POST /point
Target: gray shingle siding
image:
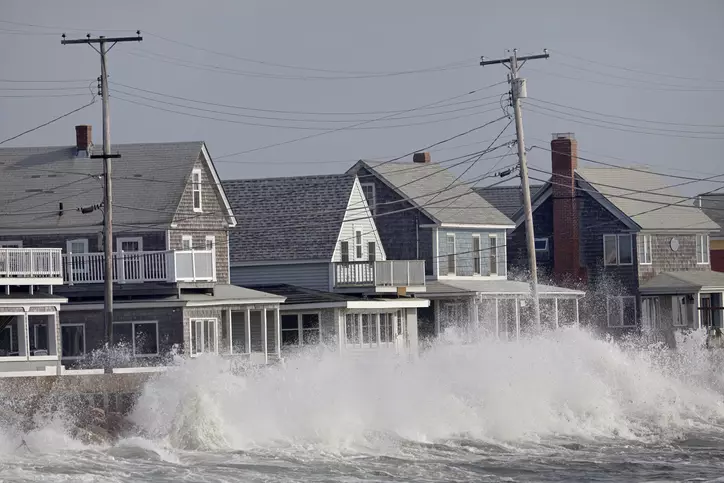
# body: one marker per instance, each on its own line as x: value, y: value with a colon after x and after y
x: 308, y: 275
x: 464, y: 251
x: 516, y: 244
x: 664, y: 259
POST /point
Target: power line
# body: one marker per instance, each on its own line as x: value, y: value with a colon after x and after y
x: 49, y: 122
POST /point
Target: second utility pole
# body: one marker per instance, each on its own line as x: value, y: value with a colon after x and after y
x: 108, y: 191
x: 518, y: 91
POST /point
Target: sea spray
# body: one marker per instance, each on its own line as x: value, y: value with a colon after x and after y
x: 562, y: 384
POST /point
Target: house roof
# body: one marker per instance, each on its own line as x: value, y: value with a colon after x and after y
x: 495, y: 287
x: 684, y: 282
x: 300, y: 295
x: 295, y: 218
x: 713, y: 207
x: 436, y: 192
x: 33, y: 181
x: 304, y: 298
x: 507, y: 199
x: 642, y: 199
x: 226, y: 293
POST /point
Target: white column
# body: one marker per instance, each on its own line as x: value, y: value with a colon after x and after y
x: 228, y: 331
x: 576, y: 311
x: 53, y: 342
x: 278, y: 330
x: 555, y: 303
x: 264, y: 336
x: 497, y: 323
x: 697, y: 313
x: 23, y: 335
x: 437, y: 317
x: 247, y: 331
x: 360, y: 321
x: 341, y: 325
x: 517, y: 319
x: 377, y: 327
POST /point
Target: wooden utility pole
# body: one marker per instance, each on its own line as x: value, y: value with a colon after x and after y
x: 108, y: 191
x: 518, y: 91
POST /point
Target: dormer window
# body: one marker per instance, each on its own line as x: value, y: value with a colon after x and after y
x: 196, y: 188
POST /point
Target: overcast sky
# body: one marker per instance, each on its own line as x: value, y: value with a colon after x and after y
x: 646, y: 60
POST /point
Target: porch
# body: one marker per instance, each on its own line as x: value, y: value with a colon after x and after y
x: 382, y: 276
x: 170, y: 266
x: 31, y: 266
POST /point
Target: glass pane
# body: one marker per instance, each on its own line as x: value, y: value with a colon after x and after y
x: 40, y: 337
x: 614, y: 311
x: 344, y: 248
x: 371, y: 251
x: 290, y: 322
x: 493, y: 255
x: 310, y: 321
x: 6, y: 340
x: 351, y: 328
x: 72, y: 340
x: 310, y: 336
x: 629, y: 311
x: 123, y: 334
x: 210, y: 341
x: 369, y: 330
x: 476, y: 254
x: 541, y: 243
x: 146, y: 342
x: 290, y: 337
x: 625, y: 249
x: 609, y: 249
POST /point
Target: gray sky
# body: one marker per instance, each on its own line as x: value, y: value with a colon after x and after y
x: 669, y: 39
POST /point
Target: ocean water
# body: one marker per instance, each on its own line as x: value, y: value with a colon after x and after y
x: 565, y: 406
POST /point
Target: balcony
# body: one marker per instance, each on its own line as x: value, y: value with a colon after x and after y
x: 31, y: 266
x: 170, y: 266
x: 383, y: 276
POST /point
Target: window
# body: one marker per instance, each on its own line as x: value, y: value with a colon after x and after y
x: 203, y: 336
x: 493, y: 254
x: 541, y: 244
x: 621, y: 311
x: 210, y: 242
x: 140, y: 337
x: 72, y: 338
x: 11, y: 244
x: 196, y: 188
x: 371, y: 251
x: 682, y: 310
x: 645, y: 249
x: 300, y: 329
x: 369, y: 329
x: 451, y: 268
x: 358, y: 244
x: 702, y: 249
x: 352, y: 329
x: 187, y: 242
x: 7, y: 341
x: 344, y: 248
x: 617, y: 250
x: 477, y: 265
x: 79, y: 254
x: 39, y: 338
x: 387, y: 328
x: 650, y: 313
x: 369, y: 191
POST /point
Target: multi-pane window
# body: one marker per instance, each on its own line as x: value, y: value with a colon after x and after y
x: 645, y: 250
x: 140, y: 337
x: 79, y: 254
x: 344, y: 248
x: 702, y: 249
x: 361, y: 329
x: 209, y: 242
x: 451, y: 268
x: 493, y: 254
x: 387, y: 328
x: 187, y: 242
x: 621, y: 311
x: 300, y: 329
x: 371, y: 251
x: 358, y: 244
x: 369, y: 191
x: 477, y: 269
x: 72, y: 338
x: 203, y: 336
x: 196, y: 188
x: 617, y: 250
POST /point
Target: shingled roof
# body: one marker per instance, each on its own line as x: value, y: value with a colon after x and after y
x: 713, y: 207
x: 34, y: 181
x: 436, y: 192
x: 295, y: 218
x: 507, y: 199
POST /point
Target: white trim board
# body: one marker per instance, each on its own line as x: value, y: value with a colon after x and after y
x: 217, y: 181
x: 463, y: 226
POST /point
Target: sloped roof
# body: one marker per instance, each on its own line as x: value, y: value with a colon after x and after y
x: 496, y: 287
x: 435, y: 191
x: 684, y: 282
x: 295, y: 218
x: 299, y: 295
x: 713, y: 207
x: 33, y: 181
x: 507, y: 199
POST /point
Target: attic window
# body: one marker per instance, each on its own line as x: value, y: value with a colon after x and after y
x: 196, y: 188
x: 369, y: 191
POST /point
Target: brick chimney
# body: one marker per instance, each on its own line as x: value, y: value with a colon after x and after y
x: 83, y: 139
x: 421, y: 158
x: 566, y: 234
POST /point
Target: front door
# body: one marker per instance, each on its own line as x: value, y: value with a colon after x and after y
x: 131, y: 259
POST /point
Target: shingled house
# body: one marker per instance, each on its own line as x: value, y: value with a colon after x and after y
x: 313, y: 240
x: 640, y: 248
x: 171, y: 273
x: 423, y: 212
x: 713, y: 206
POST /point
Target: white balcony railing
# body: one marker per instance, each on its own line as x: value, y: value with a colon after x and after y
x: 136, y: 267
x: 386, y: 273
x: 31, y: 265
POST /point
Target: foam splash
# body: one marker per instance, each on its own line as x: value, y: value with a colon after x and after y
x: 563, y: 384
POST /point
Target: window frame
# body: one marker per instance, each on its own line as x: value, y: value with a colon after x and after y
x: 34, y: 337
x: 11, y: 327
x: 344, y: 251
x: 372, y: 251
x: 451, y: 257
x: 134, y: 323
x: 617, y: 237
x: 188, y: 238
x: 300, y: 328
x: 83, y: 352
x: 702, y: 249
x: 358, y: 245
x: 493, y: 253
x: 212, y: 239
x: 204, y: 332
x: 371, y: 203
x: 622, y: 324
x: 536, y: 240
x: 81, y: 267
x: 646, y: 244
x: 477, y: 255
x: 196, y: 188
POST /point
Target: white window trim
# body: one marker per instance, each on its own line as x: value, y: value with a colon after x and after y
x: 543, y: 240
x: 618, y: 262
x: 300, y: 329
x: 361, y: 245
x: 194, y: 188
x: 72, y: 358
x: 83, y: 267
x: 11, y: 244
x: 454, y: 254
x: 373, y: 202
x: 190, y: 240
x: 212, y: 239
x: 646, y: 250
x: 133, y: 335
x: 479, y: 269
x: 192, y: 327
x: 70, y: 243
x: 621, y: 314
x: 705, y: 250
x: 493, y: 270
x: 121, y: 240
